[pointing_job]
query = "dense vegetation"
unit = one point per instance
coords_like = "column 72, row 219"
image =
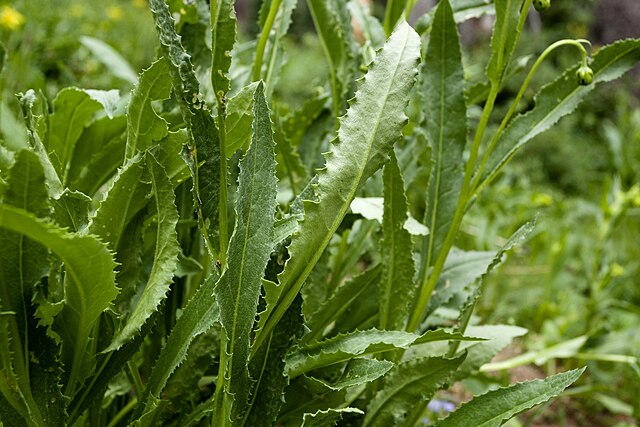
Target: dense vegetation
column 268, row 227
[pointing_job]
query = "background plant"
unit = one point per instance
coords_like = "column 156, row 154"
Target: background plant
column 187, row 234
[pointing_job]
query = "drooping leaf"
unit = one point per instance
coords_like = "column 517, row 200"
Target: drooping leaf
column 445, row 111
column 396, row 289
column 327, row 418
column 165, row 259
column 409, row 384
column 333, row 24
column 251, row 244
column 89, row 286
column 496, row 407
column 144, row 126
column 558, row 99
column 308, row 395
column 361, row 148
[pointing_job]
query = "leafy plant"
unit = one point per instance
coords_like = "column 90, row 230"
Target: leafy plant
column 128, row 297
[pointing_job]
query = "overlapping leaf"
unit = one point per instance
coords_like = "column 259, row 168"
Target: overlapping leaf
column 361, row 148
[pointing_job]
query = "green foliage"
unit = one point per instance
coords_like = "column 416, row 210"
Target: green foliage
column 176, row 257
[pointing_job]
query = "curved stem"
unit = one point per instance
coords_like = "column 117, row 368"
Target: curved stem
column 264, row 37
column 578, row 44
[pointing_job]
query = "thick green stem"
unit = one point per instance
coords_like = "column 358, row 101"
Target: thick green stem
column 134, row 374
column 388, row 24
column 123, row 413
column 577, row 43
column 264, row 37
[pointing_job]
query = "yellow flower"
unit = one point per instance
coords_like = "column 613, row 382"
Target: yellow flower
column 142, row 4
column 542, row 199
column 10, row 18
column 617, row 270
column 115, row 13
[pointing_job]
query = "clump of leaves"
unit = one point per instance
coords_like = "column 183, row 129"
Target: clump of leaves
column 133, row 293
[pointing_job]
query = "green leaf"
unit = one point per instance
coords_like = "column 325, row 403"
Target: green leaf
column 396, row 289
column 165, row 259
column 125, row 198
column 445, row 111
column 268, row 370
column 359, row 371
column 98, row 153
column 460, row 270
column 144, row 126
column 504, row 37
column 371, row 28
column 89, row 285
column 496, row 407
column 393, row 13
column 24, row 262
column 223, row 37
column 114, row 62
column 327, row 418
column 275, row 56
column 558, row 99
column 71, row 210
column 344, row 347
column 333, row 24
column 239, row 119
column 409, row 384
column 361, row 148
column 251, row 244
column 199, row 315
column 72, row 110
column 347, row 294
column 308, row 395
column 205, row 151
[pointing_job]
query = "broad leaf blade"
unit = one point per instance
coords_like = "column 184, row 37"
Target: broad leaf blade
column 327, row 418
column 89, row 286
column 558, row 99
column 361, row 149
column 396, row 289
column 251, row 244
column 496, row 407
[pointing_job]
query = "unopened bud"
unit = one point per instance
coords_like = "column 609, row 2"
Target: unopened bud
column 541, row 5
column 585, row 75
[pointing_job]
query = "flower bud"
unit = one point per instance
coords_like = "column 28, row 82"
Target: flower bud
column 585, row 75
column 541, row 5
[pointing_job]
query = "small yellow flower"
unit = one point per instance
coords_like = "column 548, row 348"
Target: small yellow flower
column 115, row 13
column 617, row 270
column 10, row 18
column 142, row 4
column 542, row 199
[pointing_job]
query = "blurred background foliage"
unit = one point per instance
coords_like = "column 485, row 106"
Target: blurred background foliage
column 577, row 278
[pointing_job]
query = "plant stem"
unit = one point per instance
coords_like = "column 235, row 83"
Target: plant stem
column 123, row 412
column 134, row 374
column 516, row 101
column 264, row 37
column 388, row 25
